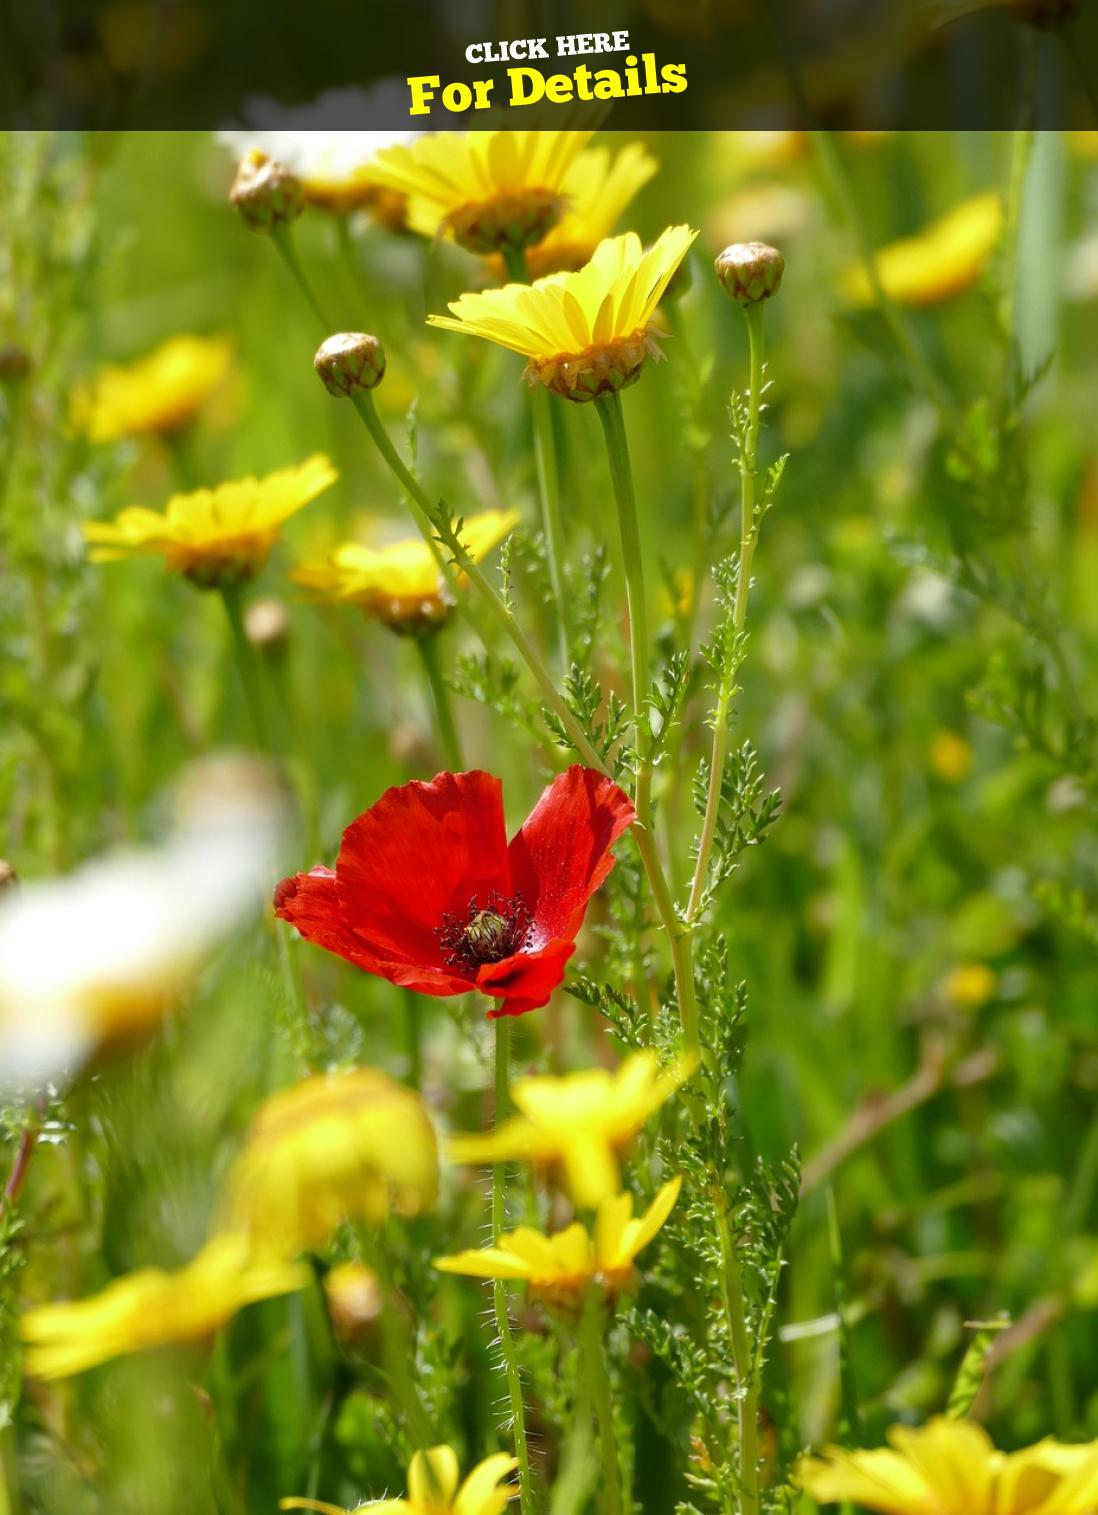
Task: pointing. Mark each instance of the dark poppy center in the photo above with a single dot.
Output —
(485, 933)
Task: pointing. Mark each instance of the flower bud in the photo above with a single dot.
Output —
(1047, 14)
(266, 193)
(350, 361)
(9, 879)
(750, 271)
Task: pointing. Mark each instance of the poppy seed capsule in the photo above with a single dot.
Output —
(750, 271)
(350, 361)
(266, 193)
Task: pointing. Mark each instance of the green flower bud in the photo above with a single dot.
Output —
(750, 271)
(350, 361)
(266, 193)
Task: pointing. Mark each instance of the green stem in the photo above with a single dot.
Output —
(427, 647)
(747, 1385)
(593, 1355)
(398, 1347)
(246, 665)
(349, 254)
(413, 1028)
(621, 474)
(545, 456)
(748, 538)
(499, 1288)
(282, 237)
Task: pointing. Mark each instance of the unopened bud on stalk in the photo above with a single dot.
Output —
(350, 361)
(15, 364)
(750, 271)
(266, 193)
(1047, 14)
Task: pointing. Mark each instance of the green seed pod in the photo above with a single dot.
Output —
(266, 193)
(350, 361)
(750, 271)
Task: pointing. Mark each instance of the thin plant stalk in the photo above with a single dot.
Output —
(747, 1379)
(397, 1344)
(748, 538)
(427, 648)
(499, 1288)
(246, 665)
(349, 253)
(621, 474)
(545, 457)
(593, 1356)
(282, 237)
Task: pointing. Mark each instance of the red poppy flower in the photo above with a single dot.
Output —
(428, 893)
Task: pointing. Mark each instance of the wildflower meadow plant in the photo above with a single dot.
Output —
(389, 1137)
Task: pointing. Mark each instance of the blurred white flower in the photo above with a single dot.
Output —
(98, 956)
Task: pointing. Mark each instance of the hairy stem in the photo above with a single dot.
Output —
(593, 1355)
(747, 1386)
(499, 1288)
(427, 648)
(748, 538)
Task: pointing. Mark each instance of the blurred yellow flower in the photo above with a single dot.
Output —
(354, 1300)
(950, 1467)
(214, 536)
(489, 190)
(152, 1308)
(583, 334)
(969, 985)
(433, 1479)
(559, 1268)
(335, 1147)
(943, 260)
(400, 583)
(157, 394)
(597, 189)
(578, 1123)
(950, 756)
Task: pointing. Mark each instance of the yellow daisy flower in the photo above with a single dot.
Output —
(950, 1467)
(559, 1268)
(486, 189)
(578, 1123)
(157, 394)
(400, 583)
(597, 189)
(950, 756)
(582, 334)
(969, 985)
(433, 1488)
(943, 260)
(332, 1148)
(214, 536)
(152, 1308)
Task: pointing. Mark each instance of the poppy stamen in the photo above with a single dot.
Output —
(486, 934)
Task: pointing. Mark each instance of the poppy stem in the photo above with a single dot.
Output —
(427, 647)
(499, 1288)
(246, 665)
(545, 458)
(749, 534)
(593, 1355)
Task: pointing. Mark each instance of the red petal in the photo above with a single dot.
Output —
(423, 850)
(310, 901)
(525, 980)
(562, 853)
